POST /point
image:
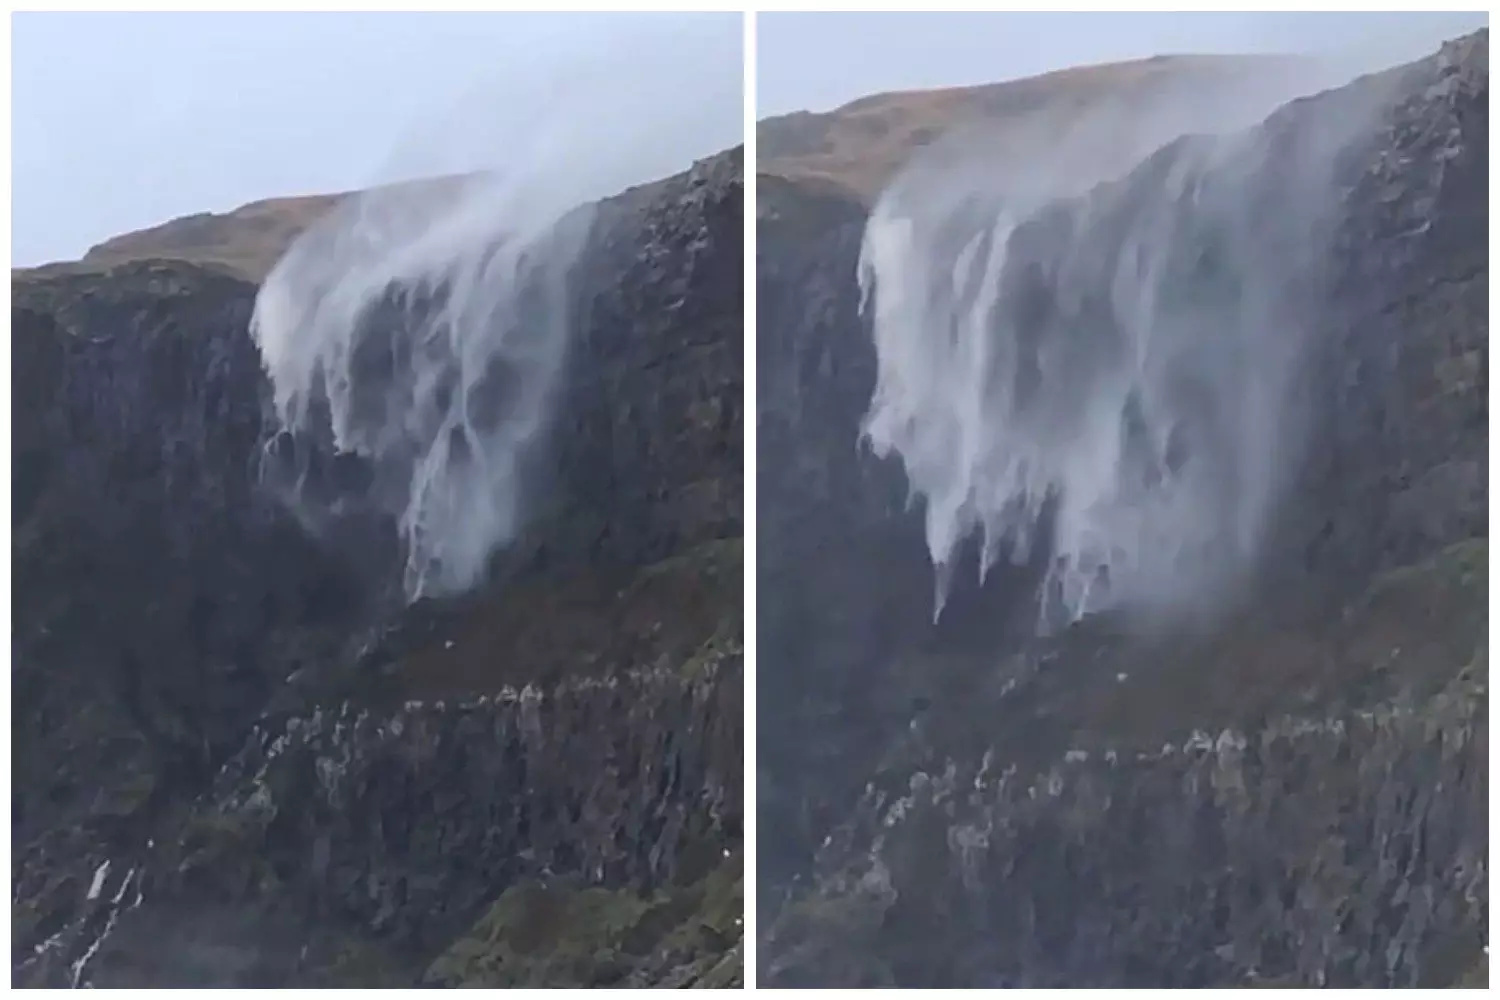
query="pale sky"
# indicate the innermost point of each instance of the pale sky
(815, 62)
(123, 121)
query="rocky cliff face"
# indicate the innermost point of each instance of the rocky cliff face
(228, 733)
(656, 423)
(966, 804)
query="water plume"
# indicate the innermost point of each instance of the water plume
(1088, 325)
(417, 333)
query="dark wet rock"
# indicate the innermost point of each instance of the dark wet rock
(873, 699)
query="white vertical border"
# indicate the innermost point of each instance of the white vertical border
(5, 367)
(747, 49)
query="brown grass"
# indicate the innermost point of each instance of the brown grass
(861, 145)
(248, 240)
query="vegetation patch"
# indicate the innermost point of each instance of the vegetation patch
(556, 933)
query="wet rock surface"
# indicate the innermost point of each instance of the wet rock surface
(241, 761)
(1343, 843)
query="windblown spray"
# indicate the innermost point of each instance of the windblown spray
(1088, 340)
(422, 328)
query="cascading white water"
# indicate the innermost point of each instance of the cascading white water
(423, 326)
(1089, 346)
(402, 318)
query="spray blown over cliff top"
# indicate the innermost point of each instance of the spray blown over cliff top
(422, 327)
(1088, 329)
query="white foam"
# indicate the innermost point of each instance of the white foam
(100, 874)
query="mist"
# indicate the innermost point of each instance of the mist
(423, 327)
(1088, 324)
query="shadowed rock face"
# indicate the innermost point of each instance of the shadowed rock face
(654, 420)
(154, 582)
(242, 719)
(399, 827)
(889, 864)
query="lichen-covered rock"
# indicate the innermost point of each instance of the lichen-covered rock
(559, 934)
(1170, 823)
(400, 828)
(1337, 852)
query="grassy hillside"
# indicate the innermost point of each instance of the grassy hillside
(860, 145)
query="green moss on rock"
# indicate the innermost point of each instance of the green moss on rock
(558, 934)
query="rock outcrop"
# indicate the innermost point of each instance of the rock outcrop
(1259, 842)
(964, 804)
(231, 734)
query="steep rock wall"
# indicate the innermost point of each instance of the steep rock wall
(398, 827)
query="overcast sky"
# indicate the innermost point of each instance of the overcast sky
(122, 121)
(815, 62)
